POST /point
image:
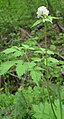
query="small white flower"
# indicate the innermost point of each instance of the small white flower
(42, 11)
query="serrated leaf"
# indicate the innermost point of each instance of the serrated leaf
(18, 53)
(39, 52)
(31, 65)
(38, 68)
(50, 59)
(21, 68)
(27, 47)
(50, 52)
(36, 59)
(36, 75)
(43, 111)
(6, 66)
(10, 50)
(43, 50)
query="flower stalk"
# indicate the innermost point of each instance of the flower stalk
(46, 59)
(47, 71)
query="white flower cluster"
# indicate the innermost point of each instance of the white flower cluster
(42, 11)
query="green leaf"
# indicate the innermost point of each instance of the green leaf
(43, 111)
(10, 50)
(43, 50)
(6, 66)
(38, 68)
(31, 65)
(50, 52)
(37, 22)
(36, 59)
(48, 19)
(40, 51)
(36, 76)
(18, 53)
(50, 59)
(57, 109)
(27, 47)
(20, 69)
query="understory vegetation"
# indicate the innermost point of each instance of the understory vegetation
(31, 60)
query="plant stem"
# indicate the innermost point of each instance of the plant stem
(27, 56)
(51, 102)
(60, 104)
(47, 72)
(46, 58)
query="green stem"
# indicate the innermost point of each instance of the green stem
(26, 56)
(51, 103)
(47, 72)
(46, 58)
(60, 104)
